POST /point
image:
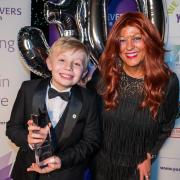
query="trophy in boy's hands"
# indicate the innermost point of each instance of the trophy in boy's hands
(45, 149)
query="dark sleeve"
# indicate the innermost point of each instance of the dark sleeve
(169, 113)
(15, 128)
(90, 141)
(93, 83)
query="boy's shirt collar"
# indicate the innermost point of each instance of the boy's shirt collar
(66, 90)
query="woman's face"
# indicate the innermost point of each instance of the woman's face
(132, 48)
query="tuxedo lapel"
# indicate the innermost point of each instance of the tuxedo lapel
(38, 103)
(72, 113)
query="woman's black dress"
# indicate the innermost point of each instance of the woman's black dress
(129, 132)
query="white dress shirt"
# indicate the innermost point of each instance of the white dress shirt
(55, 106)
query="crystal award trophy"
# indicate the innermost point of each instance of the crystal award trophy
(42, 150)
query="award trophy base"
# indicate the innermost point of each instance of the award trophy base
(42, 152)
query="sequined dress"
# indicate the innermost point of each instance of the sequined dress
(129, 132)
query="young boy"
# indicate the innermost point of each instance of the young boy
(74, 119)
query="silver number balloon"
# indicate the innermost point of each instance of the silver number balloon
(85, 20)
(88, 22)
(156, 11)
(34, 49)
(62, 14)
(97, 26)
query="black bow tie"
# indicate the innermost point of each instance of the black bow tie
(52, 93)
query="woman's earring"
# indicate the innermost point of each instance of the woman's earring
(119, 63)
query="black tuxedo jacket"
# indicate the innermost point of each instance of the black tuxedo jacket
(77, 134)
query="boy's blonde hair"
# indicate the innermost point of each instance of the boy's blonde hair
(70, 43)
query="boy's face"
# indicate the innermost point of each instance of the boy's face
(66, 67)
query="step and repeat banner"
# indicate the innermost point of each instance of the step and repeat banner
(14, 14)
(167, 166)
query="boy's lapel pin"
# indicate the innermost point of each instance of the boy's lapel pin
(74, 116)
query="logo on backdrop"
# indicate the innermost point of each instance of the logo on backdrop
(7, 45)
(5, 166)
(177, 55)
(166, 168)
(9, 11)
(172, 7)
(173, 56)
(4, 101)
(175, 133)
(116, 8)
(178, 18)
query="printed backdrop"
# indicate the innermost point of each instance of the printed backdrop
(15, 14)
(167, 166)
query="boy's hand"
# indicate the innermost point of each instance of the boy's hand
(37, 135)
(52, 163)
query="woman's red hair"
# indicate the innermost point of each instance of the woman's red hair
(156, 72)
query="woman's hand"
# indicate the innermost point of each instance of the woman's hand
(37, 135)
(50, 164)
(145, 168)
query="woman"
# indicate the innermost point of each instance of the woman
(140, 99)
